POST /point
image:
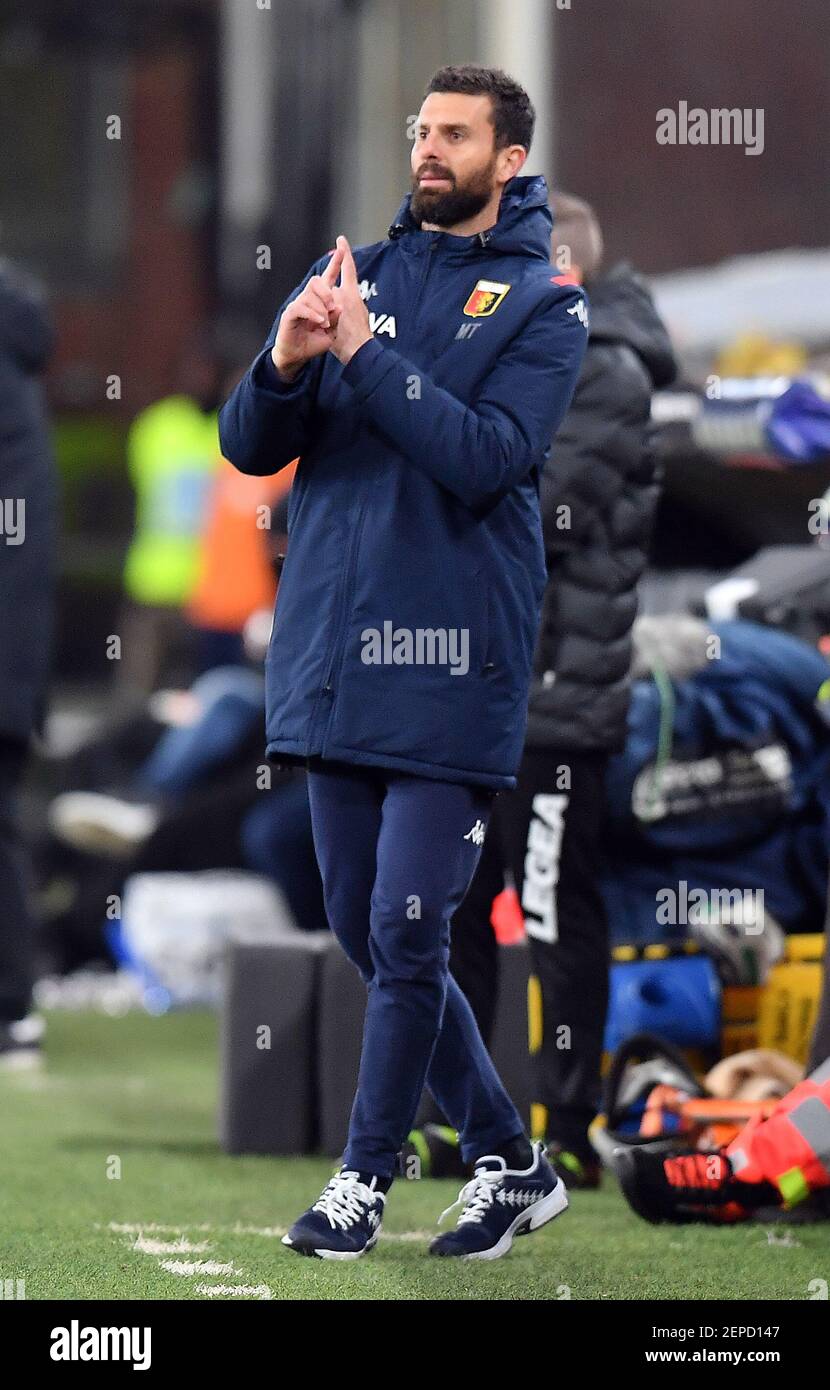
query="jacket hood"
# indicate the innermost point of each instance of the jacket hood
(622, 311)
(523, 227)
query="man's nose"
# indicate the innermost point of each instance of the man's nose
(429, 150)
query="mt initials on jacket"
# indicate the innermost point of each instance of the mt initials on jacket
(416, 499)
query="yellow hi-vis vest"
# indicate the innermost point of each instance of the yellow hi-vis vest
(172, 455)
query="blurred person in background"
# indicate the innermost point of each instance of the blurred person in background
(173, 456)
(27, 546)
(189, 794)
(236, 569)
(779, 1159)
(598, 494)
(205, 727)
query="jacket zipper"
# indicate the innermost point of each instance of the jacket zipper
(336, 659)
(431, 248)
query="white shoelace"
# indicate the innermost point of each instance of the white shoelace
(344, 1200)
(478, 1195)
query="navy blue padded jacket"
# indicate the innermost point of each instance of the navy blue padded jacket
(409, 601)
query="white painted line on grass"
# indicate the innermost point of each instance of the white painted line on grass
(140, 1228)
(128, 1228)
(187, 1268)
(147, 1245)
(270, 1232)
(781, 1238)
(234, 1290)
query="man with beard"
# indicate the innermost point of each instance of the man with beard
(415, 510)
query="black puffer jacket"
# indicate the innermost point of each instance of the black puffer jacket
(599, 492)
(27, 495)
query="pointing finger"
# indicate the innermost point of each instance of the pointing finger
(332, 270)
(349, 269)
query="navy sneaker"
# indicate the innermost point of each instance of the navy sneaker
(499, 1203)
(344, 1222)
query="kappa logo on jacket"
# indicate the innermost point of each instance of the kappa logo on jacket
(383, 323)
(580, 309)
(378, 323)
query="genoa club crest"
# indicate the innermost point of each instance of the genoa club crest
(485, 299)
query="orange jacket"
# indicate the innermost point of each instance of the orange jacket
(235, 575)
(791, 1148)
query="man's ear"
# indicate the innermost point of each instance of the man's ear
(513, 160)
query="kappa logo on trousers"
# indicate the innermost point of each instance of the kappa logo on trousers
(476, 833)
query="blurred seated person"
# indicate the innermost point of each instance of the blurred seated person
(213, 725)
(210, 729)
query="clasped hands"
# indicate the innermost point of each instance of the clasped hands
(324, 317)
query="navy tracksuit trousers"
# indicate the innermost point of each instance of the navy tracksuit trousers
(396, 855)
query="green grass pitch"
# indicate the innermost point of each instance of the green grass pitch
(185, 1221)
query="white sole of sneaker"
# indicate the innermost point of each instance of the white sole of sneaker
(99, 824)
(334, 1254)
(539, 1215)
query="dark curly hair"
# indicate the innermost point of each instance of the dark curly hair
(512, 109)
